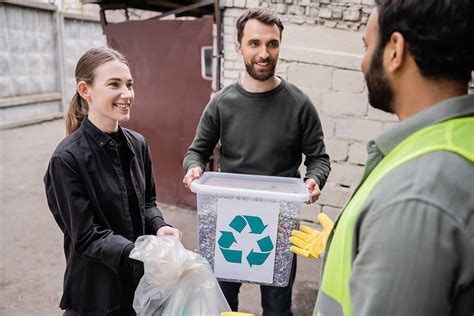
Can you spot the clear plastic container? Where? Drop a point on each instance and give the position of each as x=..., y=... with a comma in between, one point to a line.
x=244, y=222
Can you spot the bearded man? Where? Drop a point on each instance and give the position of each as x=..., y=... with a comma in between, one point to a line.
x=404, y=243
x=264, y=125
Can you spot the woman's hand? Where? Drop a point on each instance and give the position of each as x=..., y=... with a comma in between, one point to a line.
x=169, y=231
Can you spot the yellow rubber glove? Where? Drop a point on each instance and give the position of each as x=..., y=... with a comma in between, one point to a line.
x=309, y=242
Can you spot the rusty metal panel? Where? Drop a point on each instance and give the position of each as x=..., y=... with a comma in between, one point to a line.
x=171, y=94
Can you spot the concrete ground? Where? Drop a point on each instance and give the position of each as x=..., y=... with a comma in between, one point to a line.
x=32, y=260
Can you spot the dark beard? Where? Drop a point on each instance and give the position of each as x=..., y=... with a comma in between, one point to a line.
x=380, y=91
x=261, y=75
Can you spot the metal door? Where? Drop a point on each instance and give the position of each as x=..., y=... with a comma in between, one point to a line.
x=165, y=61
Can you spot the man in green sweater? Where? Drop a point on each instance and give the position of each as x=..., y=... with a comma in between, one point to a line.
x=264, y=125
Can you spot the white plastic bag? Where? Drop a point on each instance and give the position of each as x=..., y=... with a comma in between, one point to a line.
x=177, y=282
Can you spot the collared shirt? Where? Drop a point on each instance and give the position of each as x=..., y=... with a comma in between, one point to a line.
x=413, y=251
x=86, y=191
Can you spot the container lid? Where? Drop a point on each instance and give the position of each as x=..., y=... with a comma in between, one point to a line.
x=282, y=188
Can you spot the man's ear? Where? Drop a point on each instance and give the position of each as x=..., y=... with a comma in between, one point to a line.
x=395, y=52
x=238, y=47
x=83, y=89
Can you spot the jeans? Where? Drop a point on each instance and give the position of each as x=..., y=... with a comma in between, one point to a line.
x=276, y=301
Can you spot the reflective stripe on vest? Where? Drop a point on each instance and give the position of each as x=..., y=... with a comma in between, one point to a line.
x=455, y=135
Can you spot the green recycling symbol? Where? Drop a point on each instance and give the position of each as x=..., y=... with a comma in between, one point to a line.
x=227, y=239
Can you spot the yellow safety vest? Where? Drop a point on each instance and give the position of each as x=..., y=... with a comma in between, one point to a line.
x=455, y=135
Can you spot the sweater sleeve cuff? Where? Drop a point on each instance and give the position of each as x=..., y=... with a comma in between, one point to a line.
x=125, y=259
x=126, y=253
x=157, y=222
x=318, y=182
x=194, y=165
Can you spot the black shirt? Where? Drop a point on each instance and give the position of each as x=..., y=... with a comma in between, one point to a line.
x=125, y=156
x=87, y=195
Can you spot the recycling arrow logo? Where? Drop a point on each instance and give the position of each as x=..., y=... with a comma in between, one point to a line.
x=227, y=240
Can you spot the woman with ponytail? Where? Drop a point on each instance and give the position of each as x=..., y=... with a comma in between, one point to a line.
x=101, y=191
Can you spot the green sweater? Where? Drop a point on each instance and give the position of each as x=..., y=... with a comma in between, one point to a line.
x=261, y=133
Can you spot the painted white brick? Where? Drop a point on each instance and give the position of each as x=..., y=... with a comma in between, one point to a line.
x=316, y=44
x=342, y=26
x=389, y=125
x=313, y=12
x=234, y=12
x=368, y=2
x=281, y=8
x=336, y=149
x=348, y=81
x=310, y=76
x=380, y=115
x=332, y=212
x=229, y=39
x=334, y=195
x=345, y=174
x=229, y=21
x=305, y=2
x=351, y=15
x=252, y=3
x=367, y=10
x=325, y=13
x=297, y=19
x=337, y=14
x=226, y=82
x=315, y=97
x=358, y=153
x=232, y=74
x=284, y=18
x=229, y=65
x=331, y=24
x=228, y=3
x=282, y=67
x=328, y=123
x=229, y=29
x=296, y=9
x=239, y=64
x=282, y=75
x=309, y=212
x=239, y=3
x=344, y=103
x=231, y=55
x=357, y=129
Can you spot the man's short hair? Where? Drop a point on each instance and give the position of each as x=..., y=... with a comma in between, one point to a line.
x=263, y=15
x=439, y=34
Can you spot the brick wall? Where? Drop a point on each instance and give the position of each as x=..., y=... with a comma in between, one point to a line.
x=321, y=53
